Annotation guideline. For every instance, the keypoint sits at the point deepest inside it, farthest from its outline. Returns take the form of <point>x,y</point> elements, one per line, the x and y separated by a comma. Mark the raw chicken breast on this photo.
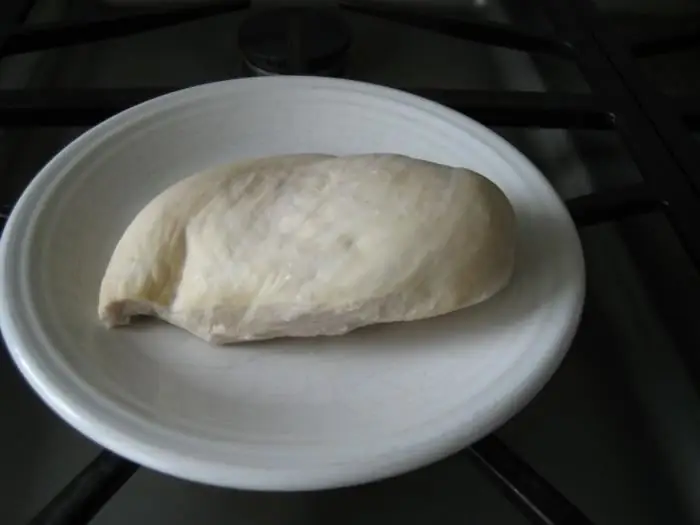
<point>308,245</point>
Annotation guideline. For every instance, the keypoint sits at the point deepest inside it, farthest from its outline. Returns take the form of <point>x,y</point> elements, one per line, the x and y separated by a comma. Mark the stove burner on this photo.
<point>294,41</point>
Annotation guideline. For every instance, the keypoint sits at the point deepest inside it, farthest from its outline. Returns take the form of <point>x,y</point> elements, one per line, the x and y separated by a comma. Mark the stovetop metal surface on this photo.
<point>616,431</point>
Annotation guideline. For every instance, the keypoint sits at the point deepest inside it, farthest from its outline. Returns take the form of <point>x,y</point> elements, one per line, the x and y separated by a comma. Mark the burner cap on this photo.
<point>295,41</point>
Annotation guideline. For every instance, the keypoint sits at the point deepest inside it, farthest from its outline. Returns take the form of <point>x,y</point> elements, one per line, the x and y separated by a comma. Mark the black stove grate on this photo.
<point>654,128</point>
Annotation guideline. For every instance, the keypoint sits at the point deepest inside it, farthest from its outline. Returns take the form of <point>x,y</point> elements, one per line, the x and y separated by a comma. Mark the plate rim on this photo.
<point>102,431</point>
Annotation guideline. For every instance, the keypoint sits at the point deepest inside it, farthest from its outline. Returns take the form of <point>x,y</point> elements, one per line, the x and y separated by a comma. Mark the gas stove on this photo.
<point>615,435</point>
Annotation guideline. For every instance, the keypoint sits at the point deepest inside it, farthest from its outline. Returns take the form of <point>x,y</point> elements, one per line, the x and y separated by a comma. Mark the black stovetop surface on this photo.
<point>655,129</point>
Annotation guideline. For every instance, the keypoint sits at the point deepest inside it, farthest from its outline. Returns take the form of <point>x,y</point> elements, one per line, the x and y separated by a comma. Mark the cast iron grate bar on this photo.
<point>496,108</point>
<point>656,161</point>
<point>12,15</point>
<point>667,124</point>
<point>88,492</point>
<point>541,503</point>
<point>83,497</point>
<point>677,40</point>
<point>614,204</point>
<point>482,31</point>
<point>37,37</point>
<point>689,108</point>
<point>68,107</point>
<point>526,108</point>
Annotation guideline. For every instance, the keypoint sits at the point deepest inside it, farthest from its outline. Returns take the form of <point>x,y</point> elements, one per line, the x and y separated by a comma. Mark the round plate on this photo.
<point>284,414</point>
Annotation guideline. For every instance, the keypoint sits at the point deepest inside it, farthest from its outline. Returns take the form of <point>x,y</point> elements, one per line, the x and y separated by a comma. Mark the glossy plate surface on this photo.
<point>287,415</point>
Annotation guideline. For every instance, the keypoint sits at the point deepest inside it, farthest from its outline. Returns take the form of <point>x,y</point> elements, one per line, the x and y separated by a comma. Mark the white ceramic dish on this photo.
<point>287,415</point>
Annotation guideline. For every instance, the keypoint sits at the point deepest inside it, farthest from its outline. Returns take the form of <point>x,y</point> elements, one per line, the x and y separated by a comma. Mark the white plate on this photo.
<point>285,414</point>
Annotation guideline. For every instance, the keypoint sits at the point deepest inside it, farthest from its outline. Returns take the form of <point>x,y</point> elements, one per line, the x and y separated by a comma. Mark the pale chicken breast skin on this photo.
<point>307,245</point>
